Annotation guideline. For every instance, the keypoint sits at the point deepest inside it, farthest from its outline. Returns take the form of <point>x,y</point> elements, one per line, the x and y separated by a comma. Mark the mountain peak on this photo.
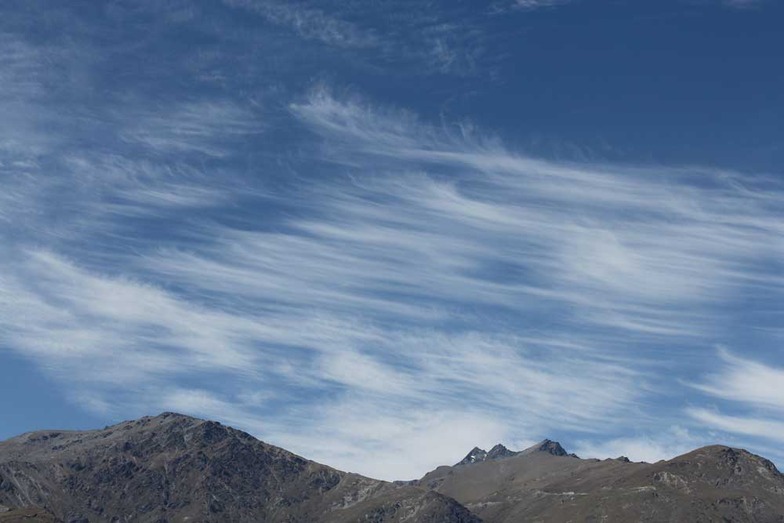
<point>477,455</point>
<point>548,446</point>
<point>474,456</point>
<point>499,452</point>
<point>172,467</point>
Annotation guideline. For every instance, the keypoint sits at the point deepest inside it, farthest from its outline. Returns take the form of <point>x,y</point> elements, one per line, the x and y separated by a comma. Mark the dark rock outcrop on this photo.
<point>477,455</point>
<point>549,447</point>
<point>176,468</point>
<point>474,456</point>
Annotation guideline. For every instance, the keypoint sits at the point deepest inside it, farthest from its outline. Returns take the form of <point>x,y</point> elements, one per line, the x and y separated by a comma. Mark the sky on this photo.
<point>379,233</point>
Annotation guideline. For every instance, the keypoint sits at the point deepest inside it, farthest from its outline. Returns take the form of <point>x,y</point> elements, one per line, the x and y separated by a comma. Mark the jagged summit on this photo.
<point>549,446</point>
<point>474,456</point>
<point>499,451</point>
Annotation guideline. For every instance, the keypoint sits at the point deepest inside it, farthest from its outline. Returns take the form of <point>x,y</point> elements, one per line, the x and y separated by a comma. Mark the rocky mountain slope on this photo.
<point>545,484</point>
<point>173,468</point>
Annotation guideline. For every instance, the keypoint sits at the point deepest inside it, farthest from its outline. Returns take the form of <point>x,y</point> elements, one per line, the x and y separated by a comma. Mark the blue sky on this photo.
<point>380,233</point>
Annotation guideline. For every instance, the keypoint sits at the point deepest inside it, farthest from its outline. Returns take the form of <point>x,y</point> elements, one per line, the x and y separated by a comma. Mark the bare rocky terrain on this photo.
<point>173,468</point>
<point>544,483</point>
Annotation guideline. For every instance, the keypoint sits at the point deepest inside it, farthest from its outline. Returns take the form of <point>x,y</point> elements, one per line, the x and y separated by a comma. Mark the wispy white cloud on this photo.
<point>124,328</point>
<point>342,278</point>
<point>105,334</point>
<point>537,4</point>
<point>206,127</point>
<point>746,382</point>
<point>26,70</point>
<point>425,270</point>
<point>742,4</point>
<point>646,241</point>
<point>402,269</point>
<point>394,253</point>
<point>766,428</point>
<point>531,5</point>
<point>310,23</point>
<point>750,399</point>
<point>414,36</point>
<point>404,442</point>
<point>22,75</point>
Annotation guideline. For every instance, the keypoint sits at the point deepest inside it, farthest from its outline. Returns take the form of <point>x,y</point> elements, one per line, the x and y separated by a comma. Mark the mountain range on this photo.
<point>175,468</point>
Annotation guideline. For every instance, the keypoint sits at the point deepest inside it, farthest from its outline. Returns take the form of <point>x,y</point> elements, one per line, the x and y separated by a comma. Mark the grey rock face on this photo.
<point>544,483</point>
<point>477,455</point>
<point>175,468</point>
<point>549,447</point>
<point>499,452</point>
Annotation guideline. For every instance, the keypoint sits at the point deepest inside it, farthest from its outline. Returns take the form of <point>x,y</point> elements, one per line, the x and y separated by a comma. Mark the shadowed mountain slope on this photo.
<point>543,483</point>
<point>176,468</point>
<point>173,468</point>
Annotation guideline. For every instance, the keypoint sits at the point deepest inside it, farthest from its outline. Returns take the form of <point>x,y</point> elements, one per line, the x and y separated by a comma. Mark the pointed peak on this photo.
<point>500,452</point>
<point>474,456</point>
<point>478,455</point>
<point>548,446</point>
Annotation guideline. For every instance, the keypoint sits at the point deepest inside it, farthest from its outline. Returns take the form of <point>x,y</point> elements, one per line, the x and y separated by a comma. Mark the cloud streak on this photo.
<point>449,276</point>
<point>647,240</point>
<point>745,381</point>
<point>751,400</point>
<point>328,271</point>
<point>310,23</point>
